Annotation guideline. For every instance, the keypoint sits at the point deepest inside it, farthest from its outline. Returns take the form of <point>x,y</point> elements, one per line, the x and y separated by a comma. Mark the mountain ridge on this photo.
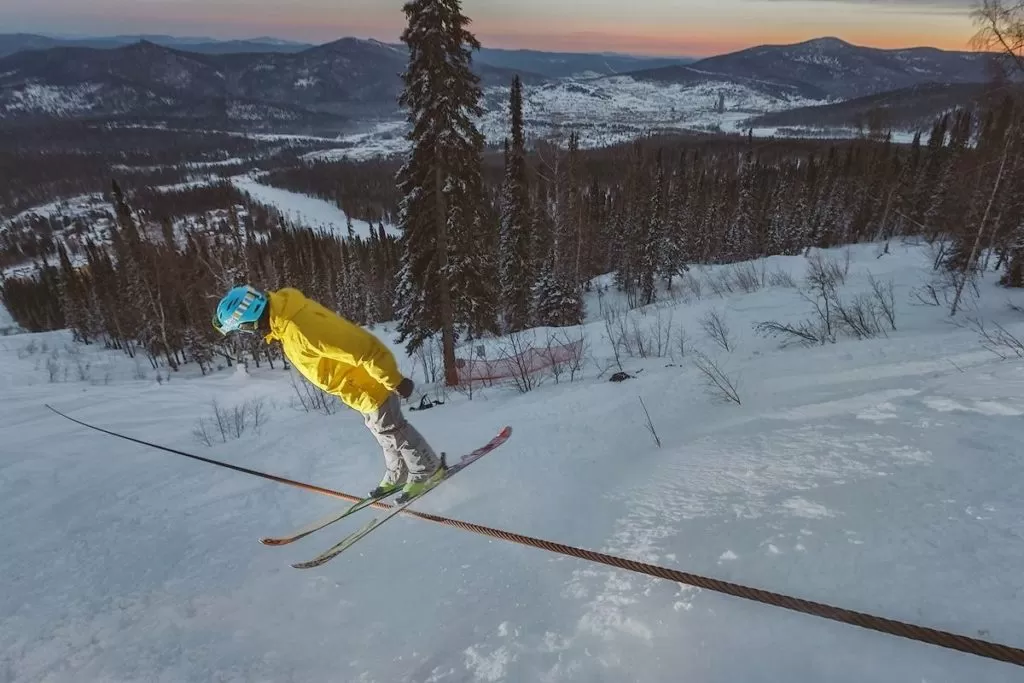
<point>354,79</point>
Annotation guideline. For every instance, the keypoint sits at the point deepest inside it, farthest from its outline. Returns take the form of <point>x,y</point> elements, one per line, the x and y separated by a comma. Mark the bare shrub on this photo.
<point>805,333</point>
<point>717,330</point>
<point>692,284</point>
<point>555,362</point>
<point>639,343</point>
<point>826,272</point>
<point>865,317</point>
<point>430,359</point>
<point>615,331</point>
<point>312,398</point>
<point>515,353</point>
<point>565,356</point>
<point>140,370</point>
<point>720,283</point>
<point>661,335</point>
<point>250,415</point>
<point>27,350</point>
<point>999,340</point>
<point>577,355</point>
<point>747,278</point>
<point>53,369</point>
<point>716,382</point>
<point>682,346</point>
<point>201,433</point>
<point>939,291</point>
<point>650,424</point>
<point>860,318</point>
<point>228,424</point>
<point>781,278</point>
<point>84,371</point>
<point>885,299</point>
<point>652,340</point>
<point>926,295</point>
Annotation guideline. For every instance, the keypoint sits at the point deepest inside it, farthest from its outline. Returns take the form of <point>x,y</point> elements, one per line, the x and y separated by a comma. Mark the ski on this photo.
<point>350,540</point>
<point>327,521</point>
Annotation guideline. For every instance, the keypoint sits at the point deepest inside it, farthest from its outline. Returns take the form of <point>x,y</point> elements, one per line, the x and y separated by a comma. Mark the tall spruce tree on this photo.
<point>516,273</point>
<point>443,277</point>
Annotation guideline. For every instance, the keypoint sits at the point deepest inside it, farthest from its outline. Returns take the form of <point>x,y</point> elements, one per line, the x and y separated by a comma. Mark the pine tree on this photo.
<point>652,236</point>
<point>441,281</point>
<point>740,236</point>
<point>516,274</point>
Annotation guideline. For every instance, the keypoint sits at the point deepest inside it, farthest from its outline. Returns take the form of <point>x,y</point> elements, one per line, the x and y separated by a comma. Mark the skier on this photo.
<point>349,362</point>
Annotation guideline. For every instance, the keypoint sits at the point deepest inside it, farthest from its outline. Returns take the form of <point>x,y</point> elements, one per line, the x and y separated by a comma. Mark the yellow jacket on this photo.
<point>334,354</point>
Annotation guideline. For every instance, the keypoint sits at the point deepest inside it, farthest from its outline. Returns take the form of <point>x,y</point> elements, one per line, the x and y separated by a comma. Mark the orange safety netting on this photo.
<point>527,362</point>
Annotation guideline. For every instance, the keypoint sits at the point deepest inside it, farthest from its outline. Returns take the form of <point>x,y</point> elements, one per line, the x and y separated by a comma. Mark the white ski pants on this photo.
<point>407,455</point>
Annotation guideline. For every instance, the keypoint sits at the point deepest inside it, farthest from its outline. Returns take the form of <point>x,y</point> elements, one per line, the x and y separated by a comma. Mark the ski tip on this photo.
<point>271,541</point>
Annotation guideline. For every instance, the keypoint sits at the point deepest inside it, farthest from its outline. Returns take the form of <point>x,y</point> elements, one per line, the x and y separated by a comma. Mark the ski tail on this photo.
<point>326,521</point>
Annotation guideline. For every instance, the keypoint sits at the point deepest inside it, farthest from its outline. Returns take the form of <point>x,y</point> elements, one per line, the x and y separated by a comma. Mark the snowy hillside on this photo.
<point>310,212</point>
<point>615,109</point>
<point>883,475</point>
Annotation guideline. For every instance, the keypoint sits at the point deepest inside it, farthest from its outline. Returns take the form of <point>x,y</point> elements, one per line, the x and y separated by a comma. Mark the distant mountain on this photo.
<point>299,87</point>
<point>11,43</point>
<point>537,63</point>
<point>555,65</point>
<point>832,68</point>
<point>692,75</point>
<point>347,79</point>
<point>16,42</point>
<point>908,109</point>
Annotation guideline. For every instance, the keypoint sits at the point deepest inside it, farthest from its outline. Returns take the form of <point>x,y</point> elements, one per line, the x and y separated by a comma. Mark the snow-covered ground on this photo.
<point>80,206</point>
<point>311,212</point>
<point>608,110</point>
<point>617,108</point>
<point>7,325</point>
<point>883,475</point>
<point>382,139</point>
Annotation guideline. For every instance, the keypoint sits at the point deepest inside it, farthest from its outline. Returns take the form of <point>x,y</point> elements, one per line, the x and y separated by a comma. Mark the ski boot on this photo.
<point>385,488</point>
<point>413,489</point>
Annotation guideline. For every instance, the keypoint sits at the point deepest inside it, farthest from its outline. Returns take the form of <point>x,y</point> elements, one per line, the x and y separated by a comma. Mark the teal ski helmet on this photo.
<point>240,309</point>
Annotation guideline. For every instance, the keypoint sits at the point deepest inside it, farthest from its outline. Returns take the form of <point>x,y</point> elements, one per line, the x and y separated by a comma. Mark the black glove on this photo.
<point>405,387</point>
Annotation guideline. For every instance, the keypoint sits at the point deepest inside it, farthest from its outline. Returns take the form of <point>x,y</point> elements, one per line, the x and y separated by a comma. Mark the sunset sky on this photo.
<point>673,27</point>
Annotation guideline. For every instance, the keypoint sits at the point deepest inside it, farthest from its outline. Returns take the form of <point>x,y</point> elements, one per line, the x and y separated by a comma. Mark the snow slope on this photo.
<point>6,323</point>
<point>311,212</point>
<point>882,475</point>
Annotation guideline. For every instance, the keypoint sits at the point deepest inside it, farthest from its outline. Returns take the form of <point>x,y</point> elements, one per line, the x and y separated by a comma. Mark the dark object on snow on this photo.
<point>405,387</point>
<point>426,403</point>
<point>620,377</point>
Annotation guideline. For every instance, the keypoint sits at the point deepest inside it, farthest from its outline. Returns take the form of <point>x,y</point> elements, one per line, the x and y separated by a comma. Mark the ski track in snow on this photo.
<point>871,475</point>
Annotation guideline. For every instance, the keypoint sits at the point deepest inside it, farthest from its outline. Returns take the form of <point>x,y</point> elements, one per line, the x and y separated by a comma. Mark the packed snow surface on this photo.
<point>883,475</point>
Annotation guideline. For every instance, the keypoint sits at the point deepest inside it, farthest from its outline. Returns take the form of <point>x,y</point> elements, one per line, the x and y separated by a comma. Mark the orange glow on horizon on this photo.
<point>697,32</point>
<point>674,43</point>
